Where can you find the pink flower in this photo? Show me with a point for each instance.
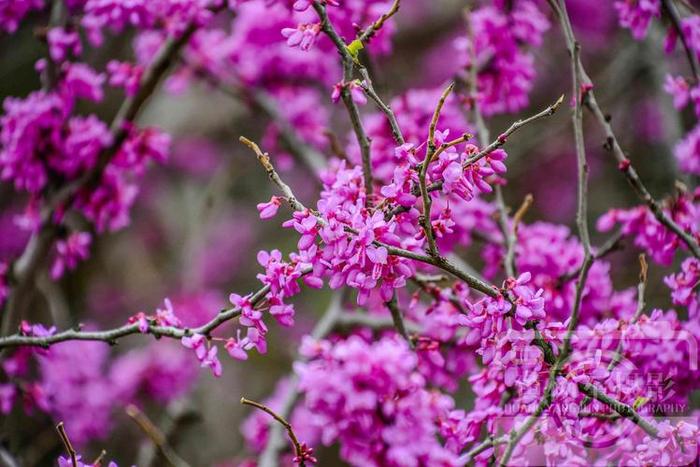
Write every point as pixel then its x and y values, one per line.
pixel 303 36
pixel 125 75
pixel 63 42
pixel 679 89
pixel 142 320
pixel 70 252
pixel 236 347
pixel 8 393
pixel 4 286
pixel 196 342
pixel 636 15
pixel 211 360
pixel 269 210
pixel 166 317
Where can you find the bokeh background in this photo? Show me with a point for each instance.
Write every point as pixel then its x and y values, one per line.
pixel 195 231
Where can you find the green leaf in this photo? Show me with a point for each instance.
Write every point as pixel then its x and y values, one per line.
pixel 354 48
pixel 639 402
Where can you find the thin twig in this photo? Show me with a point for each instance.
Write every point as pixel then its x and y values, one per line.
pixel 397 319
pixel 670 8
pixel 367 34
pixel 582 225
pixel 66 442
pixel 354 113
pixel 512 235
pixel 264 160
pixel 425 220
pixel 275 442
pixel 503 137
pixel 111 336
pixel 156 436
pixel 611 244
pixel 384 107
pixel 484 136
pixel 282 421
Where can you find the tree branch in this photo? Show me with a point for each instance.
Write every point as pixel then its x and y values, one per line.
pixel 111 336
pixel 66 442
pixel 397 319
pixel 582 224
pixel 613 144
pixel 156 436
pixel 353 111
pixel 425 195
pixel 282 421
pixel 673 16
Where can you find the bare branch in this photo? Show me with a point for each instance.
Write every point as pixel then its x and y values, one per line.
pixel 282 421
pixel 353 111
pixel 503 137
pixel 582 224
pixel 111 336
pixel 156 436
pixel 613 144
pixel 512 234
pixel 377 25
pixel 397 319
pixel 391 117
pixel 610 245
pixel 425 195
pixel 66 442
pixel 670 8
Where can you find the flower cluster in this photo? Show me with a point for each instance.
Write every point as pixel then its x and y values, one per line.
pixel 496 45
pixel 636 15
pixel 370 398
pixel 648 233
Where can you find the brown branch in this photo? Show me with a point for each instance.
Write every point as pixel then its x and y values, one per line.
pixel 425 219
pixel 511 233
pixel 670 8
pixel 282 421
pixel 329 320
pixel 610 245
pixel 582 224
pixel 156 436
pixel 384 107
pixel 353 111
pixel 503 137
pixel 366 35
pixel 397 319
pixel 66 442
pixel 613 145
